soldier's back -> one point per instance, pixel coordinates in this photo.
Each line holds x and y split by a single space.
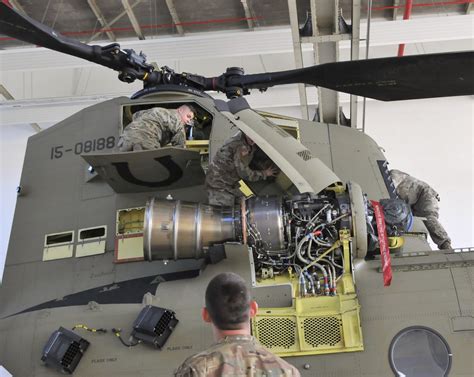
409 188
153 127
237 356
222 173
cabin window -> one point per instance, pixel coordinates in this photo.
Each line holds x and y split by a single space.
59 238
58 245
420 351
91 241
90 233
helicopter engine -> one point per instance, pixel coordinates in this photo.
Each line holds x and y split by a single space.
285 234
301 234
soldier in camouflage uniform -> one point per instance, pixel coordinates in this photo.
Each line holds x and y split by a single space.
424 203
235 353
229 166
156 127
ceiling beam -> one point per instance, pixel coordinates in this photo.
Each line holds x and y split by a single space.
396 3
355 48
248 13
107 26
133 19
325 22
295 34
100 17
174 17
7 95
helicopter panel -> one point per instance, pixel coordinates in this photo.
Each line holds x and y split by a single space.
128 172
351 152
308 173
315 137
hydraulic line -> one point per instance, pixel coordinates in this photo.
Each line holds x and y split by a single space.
333 247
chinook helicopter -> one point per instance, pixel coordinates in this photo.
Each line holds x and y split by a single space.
109 280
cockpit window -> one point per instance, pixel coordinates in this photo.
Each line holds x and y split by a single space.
419 351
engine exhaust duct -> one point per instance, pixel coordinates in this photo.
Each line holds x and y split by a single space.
176 229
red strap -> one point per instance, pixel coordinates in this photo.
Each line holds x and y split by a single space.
383 243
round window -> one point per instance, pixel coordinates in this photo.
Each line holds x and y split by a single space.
419 351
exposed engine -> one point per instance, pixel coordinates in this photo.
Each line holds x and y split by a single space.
311 236
299 234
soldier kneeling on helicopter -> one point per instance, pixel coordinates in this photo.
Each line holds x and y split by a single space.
156 127
423 200
236 353
229 166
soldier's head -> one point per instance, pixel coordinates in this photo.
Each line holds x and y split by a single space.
187 112
228 303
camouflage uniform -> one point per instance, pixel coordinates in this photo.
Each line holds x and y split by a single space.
236 355
423 201
152 129
230 164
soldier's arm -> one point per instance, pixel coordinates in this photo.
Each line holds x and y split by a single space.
243 170
179 139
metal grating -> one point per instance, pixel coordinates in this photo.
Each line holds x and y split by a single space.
322 331
305 154
276 332
384 170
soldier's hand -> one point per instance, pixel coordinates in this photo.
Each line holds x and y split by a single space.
270 172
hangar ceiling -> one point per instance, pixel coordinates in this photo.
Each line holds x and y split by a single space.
148 19
200 36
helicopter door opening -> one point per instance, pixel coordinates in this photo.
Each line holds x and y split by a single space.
281 184
168 167
197 135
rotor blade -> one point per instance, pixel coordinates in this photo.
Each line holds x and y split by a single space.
386 79
28 30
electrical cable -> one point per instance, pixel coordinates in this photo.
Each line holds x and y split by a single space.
84 327
118 335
